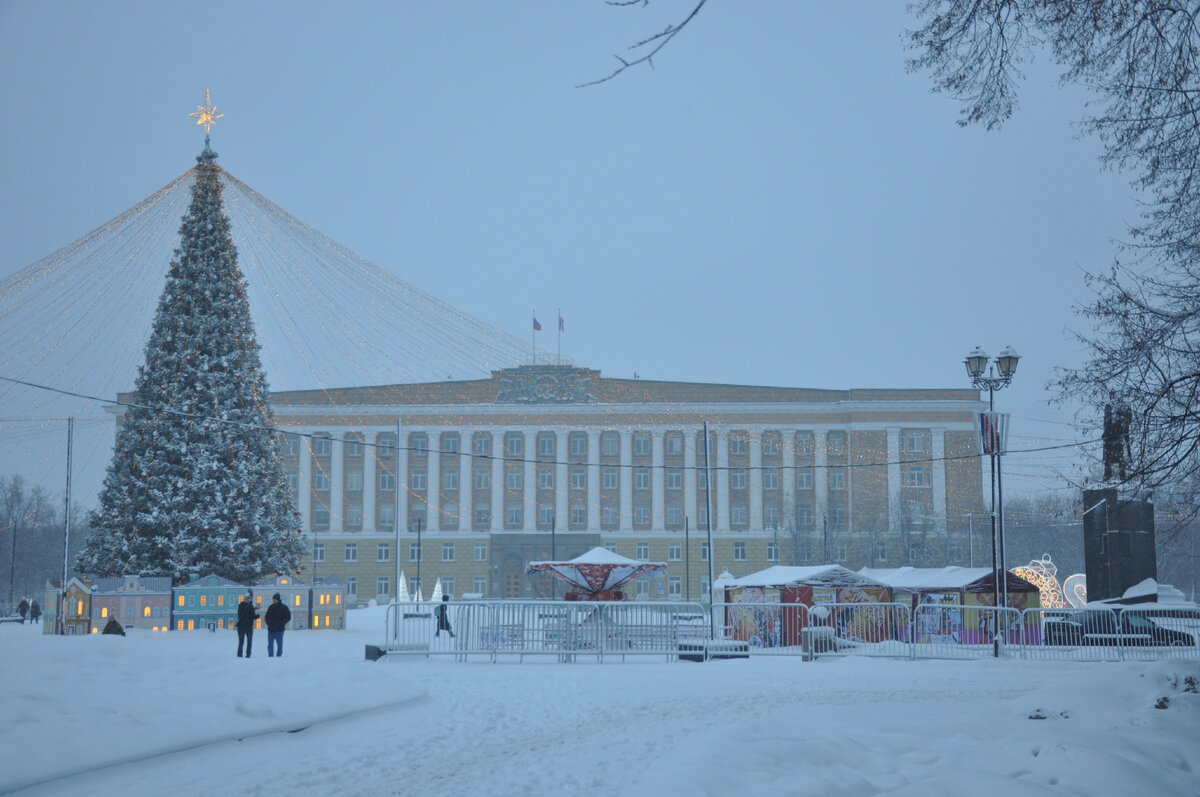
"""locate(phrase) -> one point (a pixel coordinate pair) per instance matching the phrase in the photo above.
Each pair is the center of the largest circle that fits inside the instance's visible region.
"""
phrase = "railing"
(496, 630)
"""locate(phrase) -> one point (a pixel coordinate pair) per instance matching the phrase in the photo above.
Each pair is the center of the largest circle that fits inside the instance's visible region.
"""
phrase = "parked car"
(1105, 627)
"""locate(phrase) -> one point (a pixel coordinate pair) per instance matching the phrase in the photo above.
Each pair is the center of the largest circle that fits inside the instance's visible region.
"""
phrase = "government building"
(468, 481)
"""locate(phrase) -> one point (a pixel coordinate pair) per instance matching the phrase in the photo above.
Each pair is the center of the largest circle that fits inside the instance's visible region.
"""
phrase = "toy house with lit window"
(328, 603)
(77, 612)
(136, 602)
(293, 593)
(207, 601)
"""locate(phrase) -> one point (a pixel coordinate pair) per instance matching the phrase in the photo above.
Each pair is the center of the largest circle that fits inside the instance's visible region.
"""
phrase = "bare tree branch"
(649, 46)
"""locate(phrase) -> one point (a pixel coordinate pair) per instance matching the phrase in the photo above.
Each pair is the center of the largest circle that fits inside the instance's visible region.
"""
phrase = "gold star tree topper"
(206, 114)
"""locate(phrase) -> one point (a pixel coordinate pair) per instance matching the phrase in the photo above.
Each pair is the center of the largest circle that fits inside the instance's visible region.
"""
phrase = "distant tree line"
(31, 540)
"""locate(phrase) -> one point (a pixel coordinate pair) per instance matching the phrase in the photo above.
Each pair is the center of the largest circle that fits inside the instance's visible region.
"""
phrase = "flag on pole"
(537, 327)
(993, 432)
(561, 325)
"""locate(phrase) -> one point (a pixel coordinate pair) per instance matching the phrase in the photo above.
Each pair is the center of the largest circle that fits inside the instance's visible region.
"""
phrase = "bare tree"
(643, 51)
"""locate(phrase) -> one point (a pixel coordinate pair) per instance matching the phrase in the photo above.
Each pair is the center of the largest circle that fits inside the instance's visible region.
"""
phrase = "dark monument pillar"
(1118, 543)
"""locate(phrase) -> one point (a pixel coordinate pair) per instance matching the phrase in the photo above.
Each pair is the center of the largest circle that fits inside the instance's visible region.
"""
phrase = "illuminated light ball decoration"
(1075, 590)
(1042, 574)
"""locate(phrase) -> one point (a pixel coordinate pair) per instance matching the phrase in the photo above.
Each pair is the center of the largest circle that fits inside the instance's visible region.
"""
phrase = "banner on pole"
(993, 432)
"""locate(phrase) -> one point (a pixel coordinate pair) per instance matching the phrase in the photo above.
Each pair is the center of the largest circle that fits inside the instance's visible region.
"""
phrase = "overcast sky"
(776, 202)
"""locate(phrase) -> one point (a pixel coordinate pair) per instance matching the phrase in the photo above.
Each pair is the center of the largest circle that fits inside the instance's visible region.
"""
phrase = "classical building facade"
(546, 461)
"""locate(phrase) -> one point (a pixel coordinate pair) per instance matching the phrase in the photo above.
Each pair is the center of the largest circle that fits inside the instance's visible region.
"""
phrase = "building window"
(737, 479)
(578, 478)
(351, 587)
(674, 513)
(609, 515)
(804, 515)
(641, 513)
(737, 513)
(480, 585)
(418, 443)
(704, 552)
(481, 552)
(483, 479)
(322, 445)
(916, 441)
(352, 552)
(450, 442)
(610, 444)
(450, 479)
(515, 478)
(321, 517)
(770, 478)
(837, 478)
(610, 479)
(674, 478)
(387, 516)
(513, 516)
(293, 481)
(643, 550)
(387, 445)
(321, 481)
(643, 591)
(354, 480)
(383, 586)
(291, 445)
(578, 443)
(448, 585)
(483, 515)
(545, 444)
(739, 552)
(354, 515)
(674, 445)
(835, 444)
(383, 552)
(414, 552)
(702, 516)
(546, 477)
(805, 444)
(387, 480)
(837, 514)
(737, 443)
(915, 475)
(674, 587)
(545, 515)
(641, 444)
(608, 546)
(804, 478)
(481, 444)
(447, 552)
(881, 552)
(578, 514)
(772, 552)
(514, 444)
(318, 553)
(641, 478)
(418, 514)
(675, 552)
(354, 445)
(771, 444)
(770, 516)
(416, 478)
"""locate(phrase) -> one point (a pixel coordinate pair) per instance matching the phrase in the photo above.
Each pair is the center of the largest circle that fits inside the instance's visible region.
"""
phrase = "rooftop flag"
(537, 327)
(561, 324)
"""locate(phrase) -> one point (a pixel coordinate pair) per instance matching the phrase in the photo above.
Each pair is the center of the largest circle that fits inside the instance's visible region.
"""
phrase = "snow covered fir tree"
(196, 483)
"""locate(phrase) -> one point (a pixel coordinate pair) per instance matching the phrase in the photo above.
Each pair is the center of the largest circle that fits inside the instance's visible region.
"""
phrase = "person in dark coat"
(35, 611)
(245, 623)
(278, 616)
(23, 609)
(443, 618)
(113, 627)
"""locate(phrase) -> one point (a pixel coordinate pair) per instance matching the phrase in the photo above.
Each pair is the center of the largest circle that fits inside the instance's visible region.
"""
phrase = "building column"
(787, 479)
(593, 480)
(721, 475)
(337, 502)
(690, 493)
(820, 480)
(625, 472)
(529, 493)
(496, 500)
(658, 482)
(401, 472)
(754, 480)
(562, 484)
(433, 479)
(893, 478)
(466, 482)
(304, 487)
(369, 486)
(938, 470)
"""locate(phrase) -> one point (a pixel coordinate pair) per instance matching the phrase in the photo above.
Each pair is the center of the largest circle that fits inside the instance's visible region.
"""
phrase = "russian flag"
(537, 327)
(561, 326)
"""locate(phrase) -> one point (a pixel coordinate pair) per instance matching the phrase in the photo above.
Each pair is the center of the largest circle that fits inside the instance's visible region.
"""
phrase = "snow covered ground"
(178, 713)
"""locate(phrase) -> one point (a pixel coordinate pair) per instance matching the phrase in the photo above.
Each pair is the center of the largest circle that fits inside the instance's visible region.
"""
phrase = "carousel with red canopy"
(599, 574)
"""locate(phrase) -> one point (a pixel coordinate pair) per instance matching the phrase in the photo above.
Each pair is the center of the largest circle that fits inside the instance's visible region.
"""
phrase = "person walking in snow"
(35, 611)
(443, 618)
(245, 623)
(23, 609)
(278, 616)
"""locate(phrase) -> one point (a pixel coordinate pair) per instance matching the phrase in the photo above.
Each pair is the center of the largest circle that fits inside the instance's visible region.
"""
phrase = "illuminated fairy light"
(1042, 573)
(206, 114)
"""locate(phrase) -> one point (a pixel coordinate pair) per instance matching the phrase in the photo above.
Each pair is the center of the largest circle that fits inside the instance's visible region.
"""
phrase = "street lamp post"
(999, 375)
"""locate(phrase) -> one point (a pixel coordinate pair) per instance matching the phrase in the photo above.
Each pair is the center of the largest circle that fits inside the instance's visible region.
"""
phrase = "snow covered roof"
(922, 578)
(600, 556)
(143, 584)
(786, 575)
(212, 580)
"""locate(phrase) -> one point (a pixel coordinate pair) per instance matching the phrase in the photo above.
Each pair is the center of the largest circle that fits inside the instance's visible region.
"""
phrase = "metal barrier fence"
(568, 630)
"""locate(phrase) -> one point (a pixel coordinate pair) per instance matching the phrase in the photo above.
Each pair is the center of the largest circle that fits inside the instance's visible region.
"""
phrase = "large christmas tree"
(197, 483)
